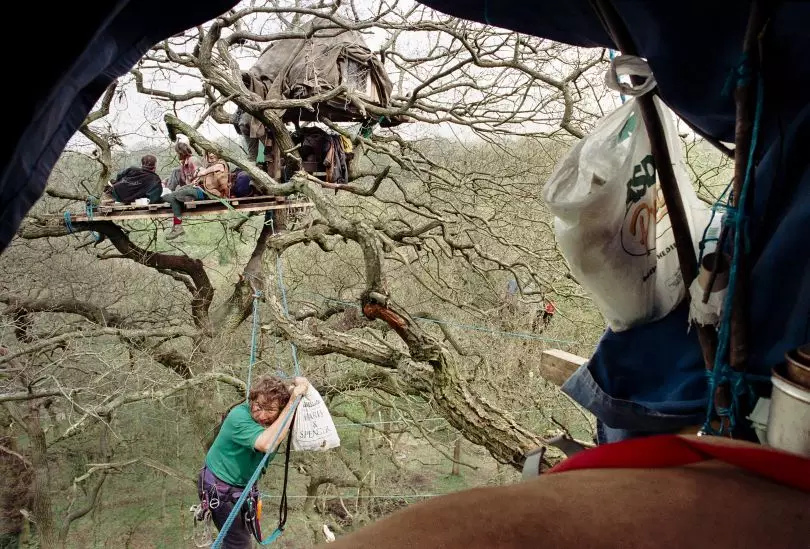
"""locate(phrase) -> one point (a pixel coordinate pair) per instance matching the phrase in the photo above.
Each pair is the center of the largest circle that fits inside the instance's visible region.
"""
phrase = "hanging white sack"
(313, 429)
(611, 222)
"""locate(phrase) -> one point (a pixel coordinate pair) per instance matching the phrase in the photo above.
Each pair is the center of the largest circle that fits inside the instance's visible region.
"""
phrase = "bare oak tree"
(440, 213)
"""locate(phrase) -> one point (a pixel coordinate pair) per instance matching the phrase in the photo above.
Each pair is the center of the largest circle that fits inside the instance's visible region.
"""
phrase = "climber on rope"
(211, 180)
(245, 436)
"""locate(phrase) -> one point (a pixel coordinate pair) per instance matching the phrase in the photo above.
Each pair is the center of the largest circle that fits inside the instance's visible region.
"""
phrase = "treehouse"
(337, 78)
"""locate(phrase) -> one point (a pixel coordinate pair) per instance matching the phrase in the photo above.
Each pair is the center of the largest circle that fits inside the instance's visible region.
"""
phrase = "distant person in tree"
(244, 437)
(184, 174)
(213, 180)
(136, 182)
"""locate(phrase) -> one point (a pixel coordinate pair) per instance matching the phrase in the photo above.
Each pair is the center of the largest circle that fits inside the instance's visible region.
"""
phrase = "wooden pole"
(745, 102)
(274, 168)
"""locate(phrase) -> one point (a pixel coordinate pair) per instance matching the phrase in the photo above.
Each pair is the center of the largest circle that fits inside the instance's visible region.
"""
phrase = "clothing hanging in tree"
(337, 170)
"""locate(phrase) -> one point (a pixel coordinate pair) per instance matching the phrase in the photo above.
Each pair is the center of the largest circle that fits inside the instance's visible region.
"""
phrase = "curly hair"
(272, 389)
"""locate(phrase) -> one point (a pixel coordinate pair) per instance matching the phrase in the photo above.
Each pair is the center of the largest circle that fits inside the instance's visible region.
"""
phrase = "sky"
(138, 119)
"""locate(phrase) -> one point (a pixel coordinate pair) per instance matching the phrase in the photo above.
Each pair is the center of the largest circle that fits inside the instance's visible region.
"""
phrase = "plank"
(203, 207)
(557, 366)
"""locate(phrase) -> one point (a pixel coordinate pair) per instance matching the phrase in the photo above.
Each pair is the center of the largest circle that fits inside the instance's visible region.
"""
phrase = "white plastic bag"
(611, 221)
(314, 429)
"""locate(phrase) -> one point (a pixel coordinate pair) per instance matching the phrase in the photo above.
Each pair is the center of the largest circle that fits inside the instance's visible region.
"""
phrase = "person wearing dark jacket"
(135, 182)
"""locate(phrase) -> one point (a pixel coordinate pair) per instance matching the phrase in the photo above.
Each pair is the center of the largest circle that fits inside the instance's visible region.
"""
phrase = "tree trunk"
(456, 458)
(41, 505)
(16, 475)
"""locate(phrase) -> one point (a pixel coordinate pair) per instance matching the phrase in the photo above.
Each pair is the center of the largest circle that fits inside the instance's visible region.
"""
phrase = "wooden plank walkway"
(127, 212)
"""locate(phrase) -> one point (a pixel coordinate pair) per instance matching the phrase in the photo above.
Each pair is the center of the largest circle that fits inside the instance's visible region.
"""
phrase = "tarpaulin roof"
(296, 68)
(652, 378)
(302, 67)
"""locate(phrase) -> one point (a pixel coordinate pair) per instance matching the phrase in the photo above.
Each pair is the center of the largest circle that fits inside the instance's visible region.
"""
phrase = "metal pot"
(798, 370)
(789, 415)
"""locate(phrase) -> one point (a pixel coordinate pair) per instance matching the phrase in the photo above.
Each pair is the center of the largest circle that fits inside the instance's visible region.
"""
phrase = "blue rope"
(68, 223)
(722, 373)
(253, 345)
(705, 239)
(253, 478)
(89, 210)
(253, 340)
(280, 283)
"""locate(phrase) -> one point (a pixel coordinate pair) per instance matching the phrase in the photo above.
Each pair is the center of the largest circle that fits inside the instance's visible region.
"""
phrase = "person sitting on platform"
(211, 180)
(244, 437)
(184, 174)
(242, 184)
(135, 182)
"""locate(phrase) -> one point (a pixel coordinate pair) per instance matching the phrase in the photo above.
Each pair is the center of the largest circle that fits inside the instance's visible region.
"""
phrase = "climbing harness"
(202, 532)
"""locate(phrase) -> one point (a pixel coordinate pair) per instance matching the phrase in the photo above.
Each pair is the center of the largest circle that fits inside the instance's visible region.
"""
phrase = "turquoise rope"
(69, 223)
(704, 239)
(89, 211)
(280, 281)
(722, 372)
(253, 478)
(253, 346)
(253, 340)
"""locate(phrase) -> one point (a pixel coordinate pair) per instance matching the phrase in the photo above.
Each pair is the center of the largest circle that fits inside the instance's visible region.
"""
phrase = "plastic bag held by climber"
(314, 429)
(611, 222)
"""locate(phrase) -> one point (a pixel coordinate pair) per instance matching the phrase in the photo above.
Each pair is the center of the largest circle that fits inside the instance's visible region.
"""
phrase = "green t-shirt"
(232, 457)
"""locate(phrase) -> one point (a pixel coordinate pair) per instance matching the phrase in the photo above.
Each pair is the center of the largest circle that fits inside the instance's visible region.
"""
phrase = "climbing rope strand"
(287, 419)
(253, 478)
(69, 223)
(280, 283)
(225, 203)
(253, 340)
(718, 206)
(89, 211)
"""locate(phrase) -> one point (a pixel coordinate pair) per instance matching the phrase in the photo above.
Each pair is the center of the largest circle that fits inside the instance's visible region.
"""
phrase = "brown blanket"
(709, 504)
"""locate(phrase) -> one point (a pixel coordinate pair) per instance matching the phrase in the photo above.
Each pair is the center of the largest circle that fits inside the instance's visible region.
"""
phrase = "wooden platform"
(557, 366)
(126, 212)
